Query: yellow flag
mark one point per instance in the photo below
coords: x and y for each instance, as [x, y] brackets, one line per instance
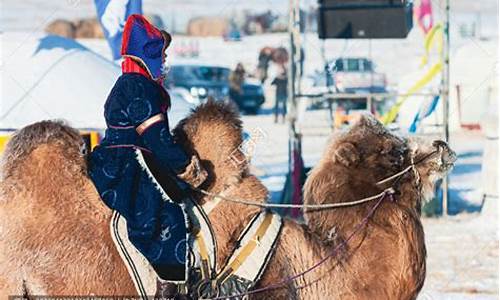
[433, 71]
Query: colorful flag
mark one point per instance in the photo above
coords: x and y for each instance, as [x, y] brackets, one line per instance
[112, 15]
[424, 15]
[425, 110]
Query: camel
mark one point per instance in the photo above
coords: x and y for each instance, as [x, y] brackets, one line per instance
[54, 228]
[46, 195]
[385, 261]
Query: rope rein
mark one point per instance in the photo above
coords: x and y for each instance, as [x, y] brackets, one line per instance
[323, 206]
[302, 206]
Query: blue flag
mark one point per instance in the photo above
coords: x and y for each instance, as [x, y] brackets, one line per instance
[112, 14]
[425, 110]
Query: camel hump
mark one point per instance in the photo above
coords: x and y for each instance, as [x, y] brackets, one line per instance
[212, 111]
[209, 123]
[27, 139]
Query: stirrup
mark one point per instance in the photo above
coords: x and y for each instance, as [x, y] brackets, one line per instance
[171, 290]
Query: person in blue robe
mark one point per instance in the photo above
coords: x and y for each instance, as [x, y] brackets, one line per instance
[138, 140]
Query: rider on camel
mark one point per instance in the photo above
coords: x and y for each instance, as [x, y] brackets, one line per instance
[137, 127]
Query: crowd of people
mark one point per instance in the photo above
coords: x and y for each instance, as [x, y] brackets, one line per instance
[267, 55]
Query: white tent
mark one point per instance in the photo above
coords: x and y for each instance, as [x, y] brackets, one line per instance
[50, 77]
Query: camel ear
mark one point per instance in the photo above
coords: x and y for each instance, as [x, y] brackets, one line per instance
[346, 154]
[368, 122]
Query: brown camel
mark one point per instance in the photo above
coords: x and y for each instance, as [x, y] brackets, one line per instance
[385, 261]
[43, 170]
[54, 229]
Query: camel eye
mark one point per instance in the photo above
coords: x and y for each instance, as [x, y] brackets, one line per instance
[386, 150]
[83, 149]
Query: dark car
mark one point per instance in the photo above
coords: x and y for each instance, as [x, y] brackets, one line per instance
[201, 81]
[252, 98]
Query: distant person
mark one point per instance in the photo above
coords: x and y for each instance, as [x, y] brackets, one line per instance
[236, 80]
[281, 83]
[138, 139]
[265, 57]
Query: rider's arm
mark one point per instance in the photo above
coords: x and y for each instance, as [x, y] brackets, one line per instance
[158, 140]
[142, 102]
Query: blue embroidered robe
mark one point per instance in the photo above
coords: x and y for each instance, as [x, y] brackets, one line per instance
[156, 227]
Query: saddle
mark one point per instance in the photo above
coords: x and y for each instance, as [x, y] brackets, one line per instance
[203, 277]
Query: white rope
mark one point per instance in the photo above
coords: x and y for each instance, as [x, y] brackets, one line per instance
[389, 190]
[302, 206]
[396, 175]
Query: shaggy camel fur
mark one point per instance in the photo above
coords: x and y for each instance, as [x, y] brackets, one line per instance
[54, 228]
[385, 261]
[46, 198]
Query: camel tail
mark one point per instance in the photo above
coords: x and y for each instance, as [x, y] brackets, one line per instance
[27, 139]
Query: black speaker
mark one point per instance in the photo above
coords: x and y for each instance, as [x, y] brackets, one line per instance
[364, 19]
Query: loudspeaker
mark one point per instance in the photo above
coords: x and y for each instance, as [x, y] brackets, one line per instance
[364, 19]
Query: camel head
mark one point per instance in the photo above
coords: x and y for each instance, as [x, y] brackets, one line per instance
[355, 160]
[433, 161]
[213, 131]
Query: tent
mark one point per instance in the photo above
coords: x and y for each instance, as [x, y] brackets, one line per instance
[50, 77]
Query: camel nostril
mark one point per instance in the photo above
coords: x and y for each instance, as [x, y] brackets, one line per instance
[452, 157]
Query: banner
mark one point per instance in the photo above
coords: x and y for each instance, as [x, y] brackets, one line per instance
[425, 110]
[423, 12]
[393, 113]
[112, 14]
[432, 36]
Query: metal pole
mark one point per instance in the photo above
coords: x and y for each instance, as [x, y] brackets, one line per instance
[292, 67]
[295, 164]
[445, 94]
[291, 87]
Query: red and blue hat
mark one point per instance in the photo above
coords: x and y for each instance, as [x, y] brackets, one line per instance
[145, 43]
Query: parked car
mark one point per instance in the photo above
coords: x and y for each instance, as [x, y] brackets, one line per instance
[182, 104]
[356, 75]
[252, 98]
[195, 82]
[200, 81]
[347, 75]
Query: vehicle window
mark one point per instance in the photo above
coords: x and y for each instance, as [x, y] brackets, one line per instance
[186, 73]
[212, 74]
[353, 65]
[339, 65]
[367, 65]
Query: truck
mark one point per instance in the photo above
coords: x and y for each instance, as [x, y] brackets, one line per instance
[356, 75]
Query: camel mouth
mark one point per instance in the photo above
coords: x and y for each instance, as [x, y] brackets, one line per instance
[446, 156]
